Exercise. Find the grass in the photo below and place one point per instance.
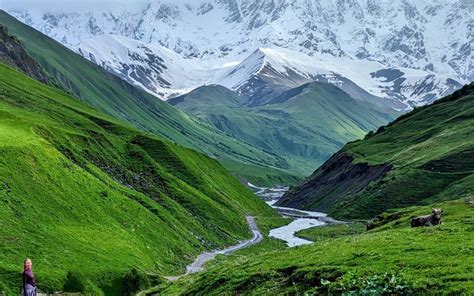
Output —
(266, 224)
(115, 97)
(305, 125)
(98, 205)
(316, 234)
(430, 152)
(262, 176)
(391, 259)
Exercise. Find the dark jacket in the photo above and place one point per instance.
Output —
(28, 278)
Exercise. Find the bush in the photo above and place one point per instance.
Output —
(377, 284)
(380, 130)
(74, 283)
(136, 281)
(370, 134)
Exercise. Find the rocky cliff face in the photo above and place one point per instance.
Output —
(13, 54)
(337, 178)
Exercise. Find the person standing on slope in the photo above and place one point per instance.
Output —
(29, 283)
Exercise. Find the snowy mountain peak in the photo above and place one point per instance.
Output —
(427, 35)
(175, 45)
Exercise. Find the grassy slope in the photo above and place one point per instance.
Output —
(433, 145)
(82, 193)
(111, 95)
(305, 125)
(431, 150)
(392, 259)
(332, 231)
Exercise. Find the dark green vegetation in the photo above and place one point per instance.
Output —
(305, 125)
(391, 259)
(97, 205)
(422, 157)
(113, 96)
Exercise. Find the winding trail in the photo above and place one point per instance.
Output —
(205, 257)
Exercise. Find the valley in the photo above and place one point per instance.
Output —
(393, 258)
(236, 147)
(352, 257)
(305, 124)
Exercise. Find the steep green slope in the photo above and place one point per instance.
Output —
(119, 99)
(417, 159)
(83, 194)
(394, 259)
(207, 99)
(306, 125)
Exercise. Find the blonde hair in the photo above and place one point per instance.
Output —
(24, 262)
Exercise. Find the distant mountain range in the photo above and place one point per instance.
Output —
(400, 53)
(305, 124)
(273, 139)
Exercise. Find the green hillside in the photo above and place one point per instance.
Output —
(424, 156)
(394, 259)
(115, 97)
(306, 125)
(89, 199)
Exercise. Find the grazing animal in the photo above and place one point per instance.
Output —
(428, 220)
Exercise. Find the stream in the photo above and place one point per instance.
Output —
(303, 219)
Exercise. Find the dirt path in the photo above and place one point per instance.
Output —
(205, 257)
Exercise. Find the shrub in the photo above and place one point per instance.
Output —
(135, 281)
(74, 283)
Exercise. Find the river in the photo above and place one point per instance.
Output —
(302, 219)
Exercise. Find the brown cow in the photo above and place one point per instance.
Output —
(428, 220)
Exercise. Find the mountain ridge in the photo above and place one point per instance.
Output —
(305, 124)
(112, 95)
(249, 16)
(352, 30)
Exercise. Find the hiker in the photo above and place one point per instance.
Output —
(29, 284)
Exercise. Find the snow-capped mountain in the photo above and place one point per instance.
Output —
(157, 69)
(400, 49)
(261, 76)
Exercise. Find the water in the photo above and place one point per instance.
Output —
(198, 264)
(304, 219)
(287, 232)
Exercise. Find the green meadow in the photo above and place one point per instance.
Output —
(101, 207)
